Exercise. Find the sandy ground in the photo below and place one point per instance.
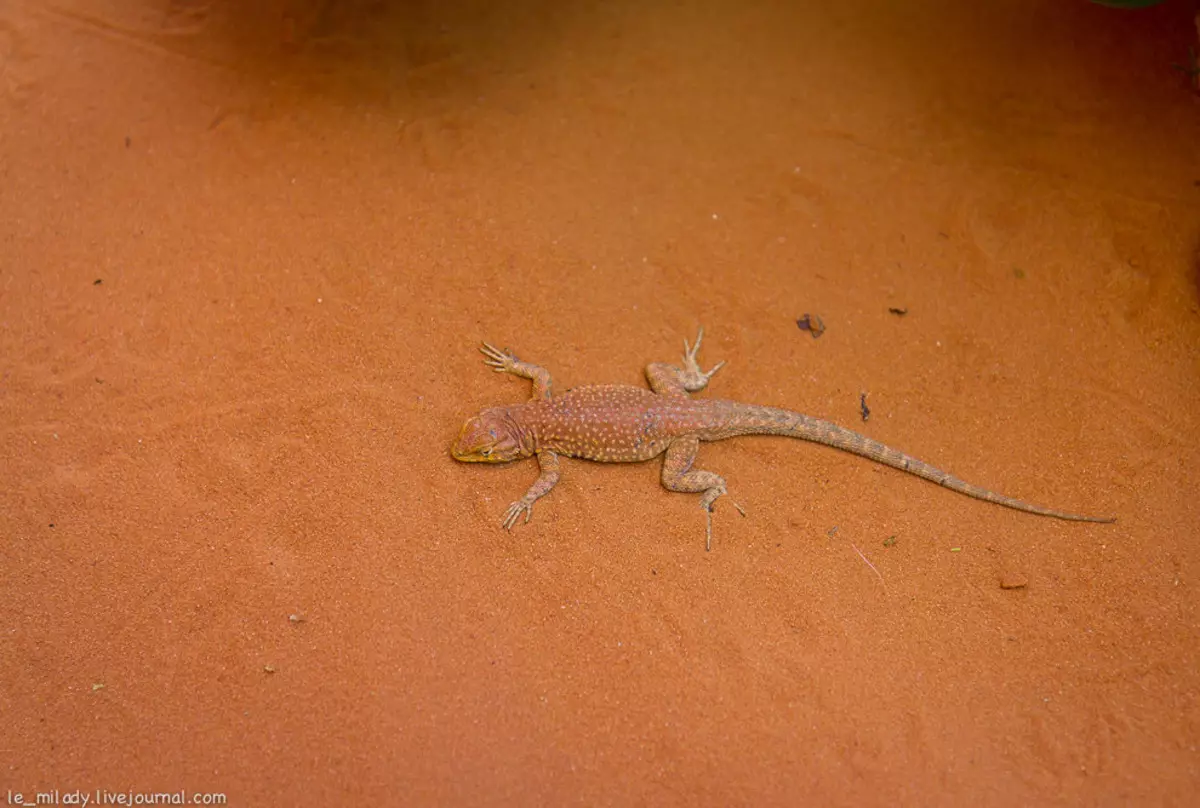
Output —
(247, 253)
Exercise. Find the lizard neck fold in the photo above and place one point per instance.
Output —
(523, 428)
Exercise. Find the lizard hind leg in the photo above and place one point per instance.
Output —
(678, 475)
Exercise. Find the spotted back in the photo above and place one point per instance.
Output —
(612, 423)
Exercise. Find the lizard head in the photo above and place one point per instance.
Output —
(489, 437)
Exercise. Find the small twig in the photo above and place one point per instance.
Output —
(869, 564)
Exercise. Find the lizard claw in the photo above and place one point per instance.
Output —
(689, 351)
(498, 360)
(514, 513)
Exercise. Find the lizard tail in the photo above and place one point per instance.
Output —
(743, 419)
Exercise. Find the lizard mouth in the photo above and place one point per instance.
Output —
(476, 454)
(468, 457)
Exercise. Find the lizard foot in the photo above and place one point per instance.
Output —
(498, 360)
(514, 513)
(707, 503)
(693, 377)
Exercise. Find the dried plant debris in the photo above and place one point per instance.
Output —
(813, 324)
(863, 409)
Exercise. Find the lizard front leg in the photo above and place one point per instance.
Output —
(505, 362)
(669, 380)
(548, 461)
(678, 475)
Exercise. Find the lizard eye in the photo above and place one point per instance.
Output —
(485, 452)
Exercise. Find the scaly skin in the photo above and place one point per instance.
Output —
(624, 424)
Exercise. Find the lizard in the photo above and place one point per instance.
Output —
(614, 423)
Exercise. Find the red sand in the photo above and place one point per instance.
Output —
(246, 257)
